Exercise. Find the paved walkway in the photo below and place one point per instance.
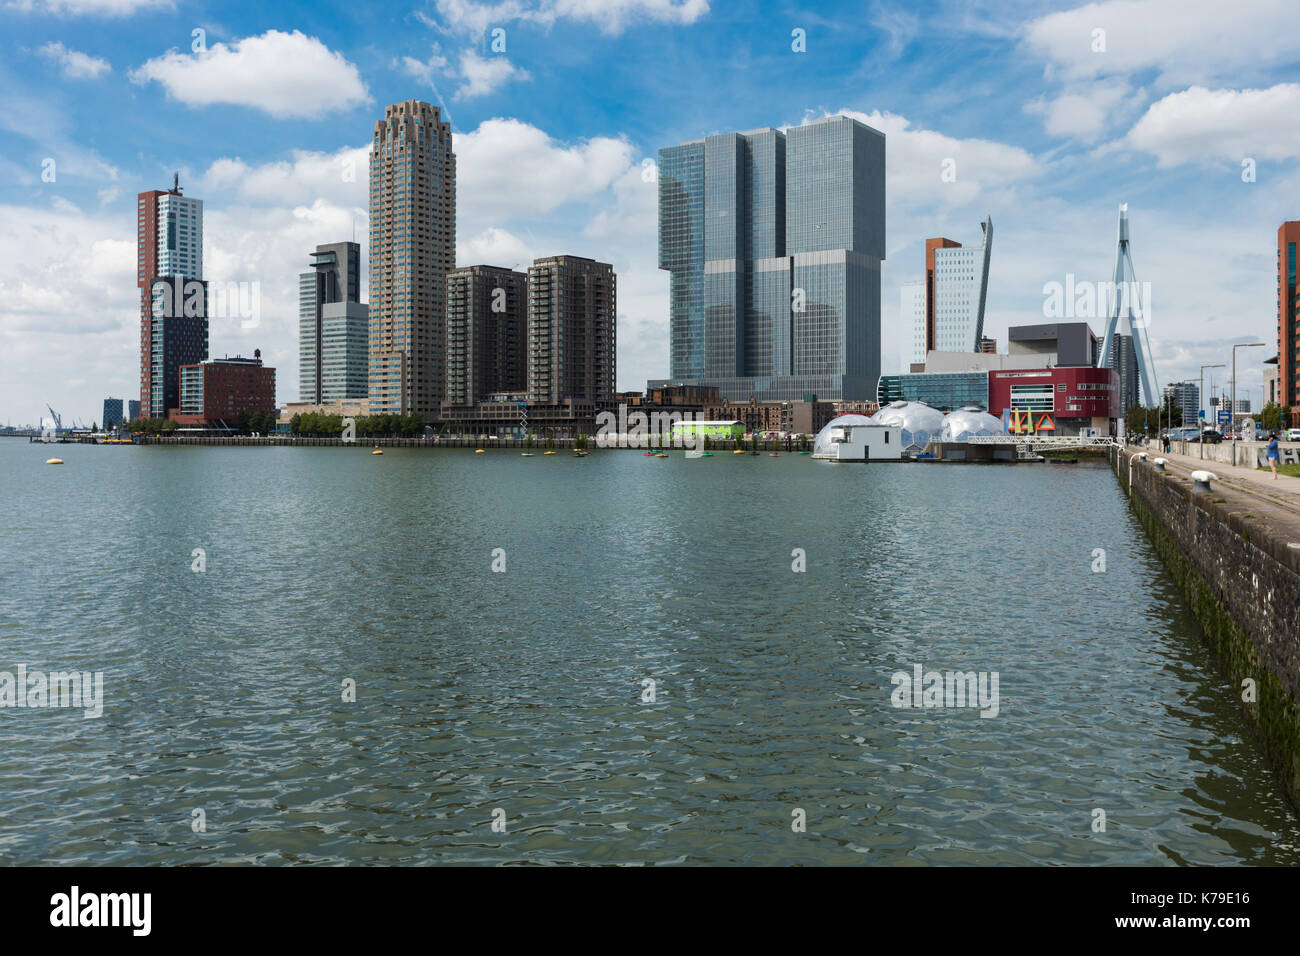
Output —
(1279, 499)
(1250, 476)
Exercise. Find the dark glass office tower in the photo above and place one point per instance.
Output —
(773, 242)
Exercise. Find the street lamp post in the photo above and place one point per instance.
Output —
(1232, 413)
(1201, 399)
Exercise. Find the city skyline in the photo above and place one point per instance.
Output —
(272, 162)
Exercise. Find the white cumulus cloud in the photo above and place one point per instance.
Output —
(1185, 41)
(75, 64)
(283, 74)
(1200, 125)
(609, 16)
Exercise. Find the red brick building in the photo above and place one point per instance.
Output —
(215, 393)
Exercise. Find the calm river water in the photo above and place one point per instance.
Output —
(523, 695)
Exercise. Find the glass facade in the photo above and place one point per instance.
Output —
(774, 241)
(943, 390)
(681, 252)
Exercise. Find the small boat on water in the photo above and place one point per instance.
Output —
(478, 451)
(377, 451)
(525, 454)
(773, 454)
(548, 453)
(661, 454)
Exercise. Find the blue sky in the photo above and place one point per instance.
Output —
(1049, 125)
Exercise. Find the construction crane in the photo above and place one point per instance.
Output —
(58, 419)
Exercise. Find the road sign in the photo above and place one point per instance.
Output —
(1225, 416)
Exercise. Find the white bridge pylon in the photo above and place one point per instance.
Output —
(1127, 291)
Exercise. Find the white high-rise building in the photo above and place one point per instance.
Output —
(961, 281)
(180, 236)
(911, 319)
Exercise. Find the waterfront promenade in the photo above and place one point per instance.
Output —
(1234, 550)
(1282, 494)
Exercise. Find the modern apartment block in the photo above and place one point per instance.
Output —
(178, 336)
(169, 244)
(1186, 397)
(773, 242)
(486, 329)
(215, 393)
(112, 414)
(1288, 329)
(571, 325)
(957, 279)
(931, 247)
(333, 327)
(412, 248)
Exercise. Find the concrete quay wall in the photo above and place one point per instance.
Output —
(1236, 557)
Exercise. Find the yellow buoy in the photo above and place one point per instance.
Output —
(53, 461)
(478, 451)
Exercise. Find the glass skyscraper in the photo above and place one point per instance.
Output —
(773, 242)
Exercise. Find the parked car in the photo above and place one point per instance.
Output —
(1293, 434)
(1211, 437)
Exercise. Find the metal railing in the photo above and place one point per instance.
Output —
(1055, 441)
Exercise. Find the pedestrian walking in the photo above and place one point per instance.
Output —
(1272, 454)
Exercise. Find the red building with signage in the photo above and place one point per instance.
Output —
(1056, 401)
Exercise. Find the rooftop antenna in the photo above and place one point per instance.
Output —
(176, 183)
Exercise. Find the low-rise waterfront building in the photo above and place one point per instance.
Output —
(217, 392)
(1057, 401)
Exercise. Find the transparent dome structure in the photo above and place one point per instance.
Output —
(921, 423)
(835, 429)
(970, 422)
